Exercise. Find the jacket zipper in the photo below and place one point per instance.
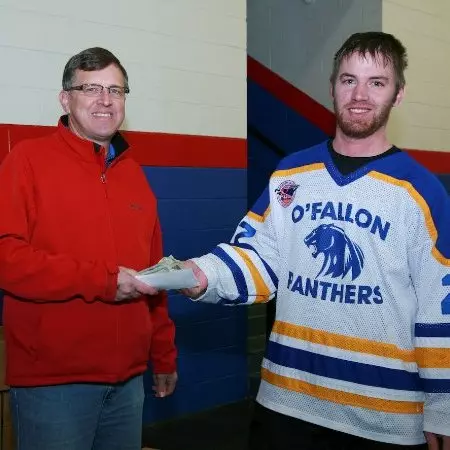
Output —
(104, 168)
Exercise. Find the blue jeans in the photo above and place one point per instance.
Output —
(79, 416)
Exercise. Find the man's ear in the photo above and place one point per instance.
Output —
(64, 100)
(332, 90)
(399, 97)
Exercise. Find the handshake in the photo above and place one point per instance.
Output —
(168, 273)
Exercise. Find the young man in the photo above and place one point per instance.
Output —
(352, 236)
(79, 220)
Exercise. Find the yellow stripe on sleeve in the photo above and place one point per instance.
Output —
(262, 290)
(433, 358)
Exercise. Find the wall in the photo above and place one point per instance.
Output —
(297, 40)
(422, 121)
(186, 118)
(187, 75)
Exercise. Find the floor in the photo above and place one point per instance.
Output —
(224, 428)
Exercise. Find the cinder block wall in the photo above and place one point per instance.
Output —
(422, 122)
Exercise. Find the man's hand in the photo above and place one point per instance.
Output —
(195, 292)
(436, 442)
(129, 287)
(164, 383)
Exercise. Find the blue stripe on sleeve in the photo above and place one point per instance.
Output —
(432, 330)
(435, 386)
(340, 369)
(238, 275)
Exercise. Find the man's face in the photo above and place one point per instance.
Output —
(363, 95)
(95, 118)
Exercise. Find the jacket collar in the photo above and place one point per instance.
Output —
(85, 148)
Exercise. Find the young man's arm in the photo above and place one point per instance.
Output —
(429, 260)
(244, 271)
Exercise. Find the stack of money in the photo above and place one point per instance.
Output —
(166, 264)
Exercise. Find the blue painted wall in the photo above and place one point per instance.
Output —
(274, 130)
(198, 209)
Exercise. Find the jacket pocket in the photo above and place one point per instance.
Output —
(76, 338)
(135, 331)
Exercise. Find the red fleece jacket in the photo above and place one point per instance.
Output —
(67, 224)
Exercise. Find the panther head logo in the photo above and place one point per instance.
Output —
(341, 255)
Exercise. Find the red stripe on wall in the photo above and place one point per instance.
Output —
(437, 162)
(321, 117)
(300, 102)
(154, 149)
(160, 149)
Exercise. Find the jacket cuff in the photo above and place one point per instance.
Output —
(164, 367)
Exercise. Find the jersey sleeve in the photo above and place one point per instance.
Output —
(429, 260)
(245, 270)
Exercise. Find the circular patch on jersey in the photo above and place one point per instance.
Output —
(286, 193)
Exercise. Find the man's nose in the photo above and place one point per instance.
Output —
(360, 92)
(105, 97)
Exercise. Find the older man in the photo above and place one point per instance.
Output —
(79, 219)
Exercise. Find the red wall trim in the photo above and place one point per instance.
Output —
(300, 102)
(154, 149)
(178, 150)
(437, 162)
(317, 114)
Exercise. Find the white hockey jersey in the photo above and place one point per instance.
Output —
(361, 271)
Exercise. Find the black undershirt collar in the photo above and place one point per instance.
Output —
(348, 164)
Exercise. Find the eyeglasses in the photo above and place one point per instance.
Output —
(95, 90)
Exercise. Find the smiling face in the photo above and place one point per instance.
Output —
(363, 95)
(96, 119)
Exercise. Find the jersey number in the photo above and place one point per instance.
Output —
(248, 232)
(445, 304)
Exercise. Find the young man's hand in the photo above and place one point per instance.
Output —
(199, 290)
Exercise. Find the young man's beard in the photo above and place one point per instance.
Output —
(362, 129)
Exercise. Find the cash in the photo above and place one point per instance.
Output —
(168, 273)
(166, 264)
